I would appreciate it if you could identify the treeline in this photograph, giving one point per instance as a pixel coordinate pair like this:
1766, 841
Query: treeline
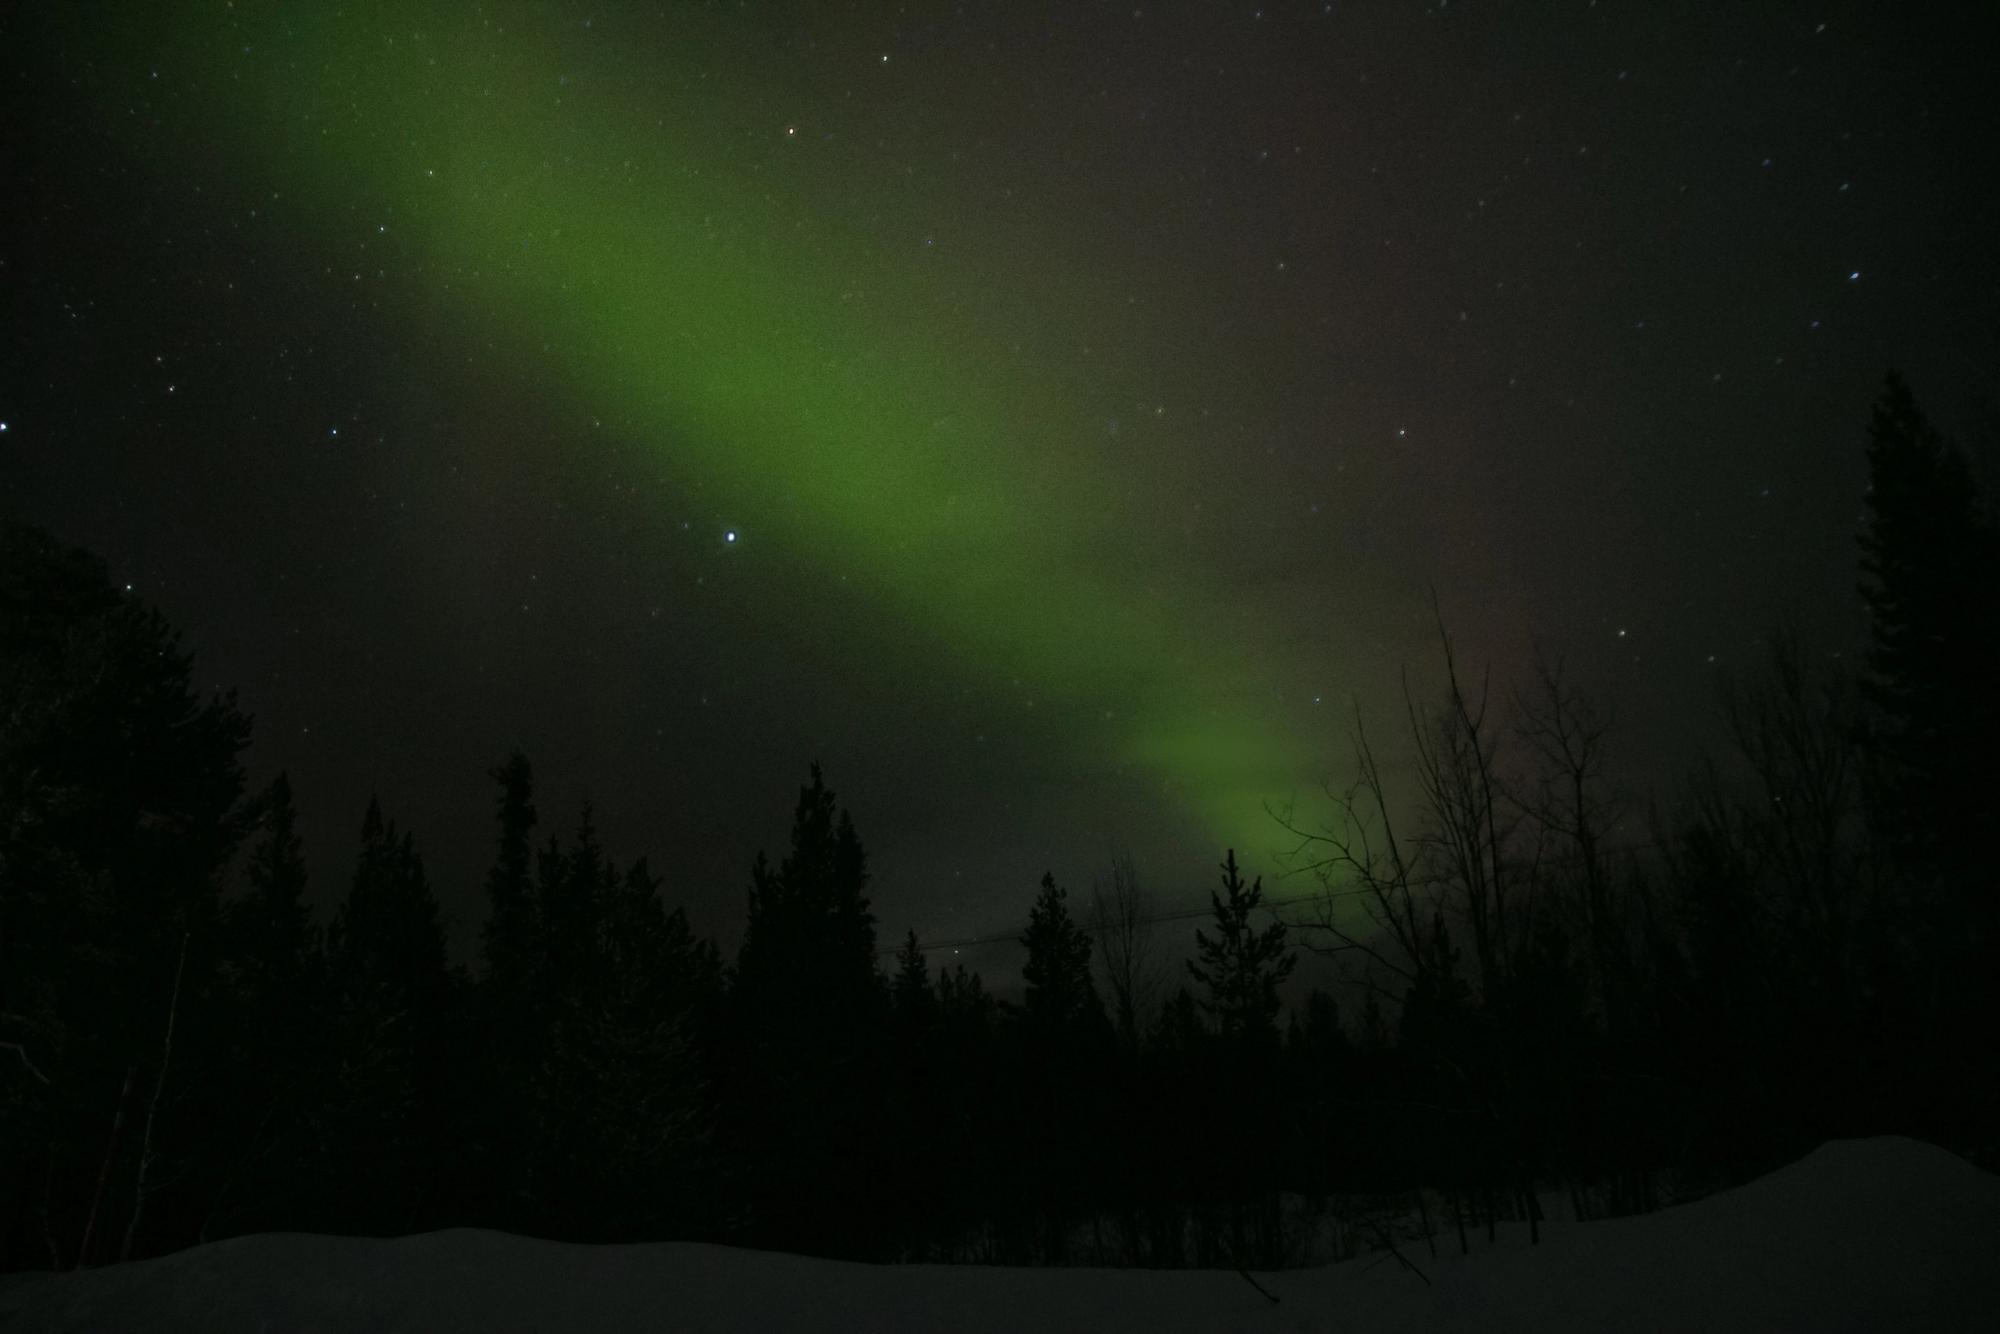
1800, 943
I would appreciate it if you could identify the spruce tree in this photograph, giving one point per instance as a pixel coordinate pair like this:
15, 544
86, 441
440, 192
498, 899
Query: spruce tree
1062, 1086
806, 1020
1931, 581
503, 1107
1930, 572
809, 930
633, 1136
506, 938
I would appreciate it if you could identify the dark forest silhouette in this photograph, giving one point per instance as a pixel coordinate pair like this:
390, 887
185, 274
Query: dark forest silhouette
1807, 946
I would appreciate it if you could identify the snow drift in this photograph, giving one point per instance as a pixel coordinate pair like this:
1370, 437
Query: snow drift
1880, 1234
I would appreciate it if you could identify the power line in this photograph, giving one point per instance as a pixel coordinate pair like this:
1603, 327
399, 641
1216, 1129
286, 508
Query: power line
1180, 915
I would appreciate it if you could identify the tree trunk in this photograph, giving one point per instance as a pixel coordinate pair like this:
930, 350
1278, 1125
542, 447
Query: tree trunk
104, 1169
48, 1224
153, 1108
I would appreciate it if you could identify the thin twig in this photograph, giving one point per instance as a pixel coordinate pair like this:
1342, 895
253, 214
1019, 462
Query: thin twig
1270, 1296
22, 1052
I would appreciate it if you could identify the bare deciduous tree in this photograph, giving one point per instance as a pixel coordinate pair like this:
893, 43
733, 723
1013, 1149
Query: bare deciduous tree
1795, 727
1360, 857
1455, 861
144, 1185
1565, 798
1121, 920
1466, 826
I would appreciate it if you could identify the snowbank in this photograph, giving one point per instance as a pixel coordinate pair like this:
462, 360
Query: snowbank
1881, 1234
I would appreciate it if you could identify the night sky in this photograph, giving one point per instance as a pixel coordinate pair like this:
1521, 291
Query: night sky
1050, 417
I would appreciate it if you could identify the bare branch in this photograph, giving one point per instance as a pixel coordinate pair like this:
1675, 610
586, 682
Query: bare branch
21, 1051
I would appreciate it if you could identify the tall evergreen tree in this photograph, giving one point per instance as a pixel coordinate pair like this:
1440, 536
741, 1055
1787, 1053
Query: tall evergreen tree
910, 994
274, 959
501, 1105
505, 940
1241, 966
634, 1124
810, 931
807, 1026
1064, 1045
1061, 995
274, 952
1930, 578
381, 1100
1930, 573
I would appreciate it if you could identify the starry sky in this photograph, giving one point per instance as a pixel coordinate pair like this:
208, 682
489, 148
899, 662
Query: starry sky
1053, 418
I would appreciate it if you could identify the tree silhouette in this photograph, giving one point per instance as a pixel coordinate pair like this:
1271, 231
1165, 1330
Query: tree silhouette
1061, 996
1062, 1042
505, 941
119, 805
806, 1030
1241, 966
1930, 575
273, 983
1121, 924
381, 1097
1928, 567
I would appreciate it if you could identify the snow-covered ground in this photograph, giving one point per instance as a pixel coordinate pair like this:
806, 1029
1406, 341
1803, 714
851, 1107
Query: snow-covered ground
1880, 1234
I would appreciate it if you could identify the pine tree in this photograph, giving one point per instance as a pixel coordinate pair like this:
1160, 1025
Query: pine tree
390, 989
1241, 966
1930, 578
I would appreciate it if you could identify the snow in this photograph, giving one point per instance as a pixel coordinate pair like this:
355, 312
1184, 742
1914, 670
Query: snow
1875, 1234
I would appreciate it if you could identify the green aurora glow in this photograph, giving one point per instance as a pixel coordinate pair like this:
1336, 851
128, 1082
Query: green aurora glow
638, 215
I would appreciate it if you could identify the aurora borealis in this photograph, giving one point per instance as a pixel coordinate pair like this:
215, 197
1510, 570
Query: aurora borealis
1046, 417
798, 378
